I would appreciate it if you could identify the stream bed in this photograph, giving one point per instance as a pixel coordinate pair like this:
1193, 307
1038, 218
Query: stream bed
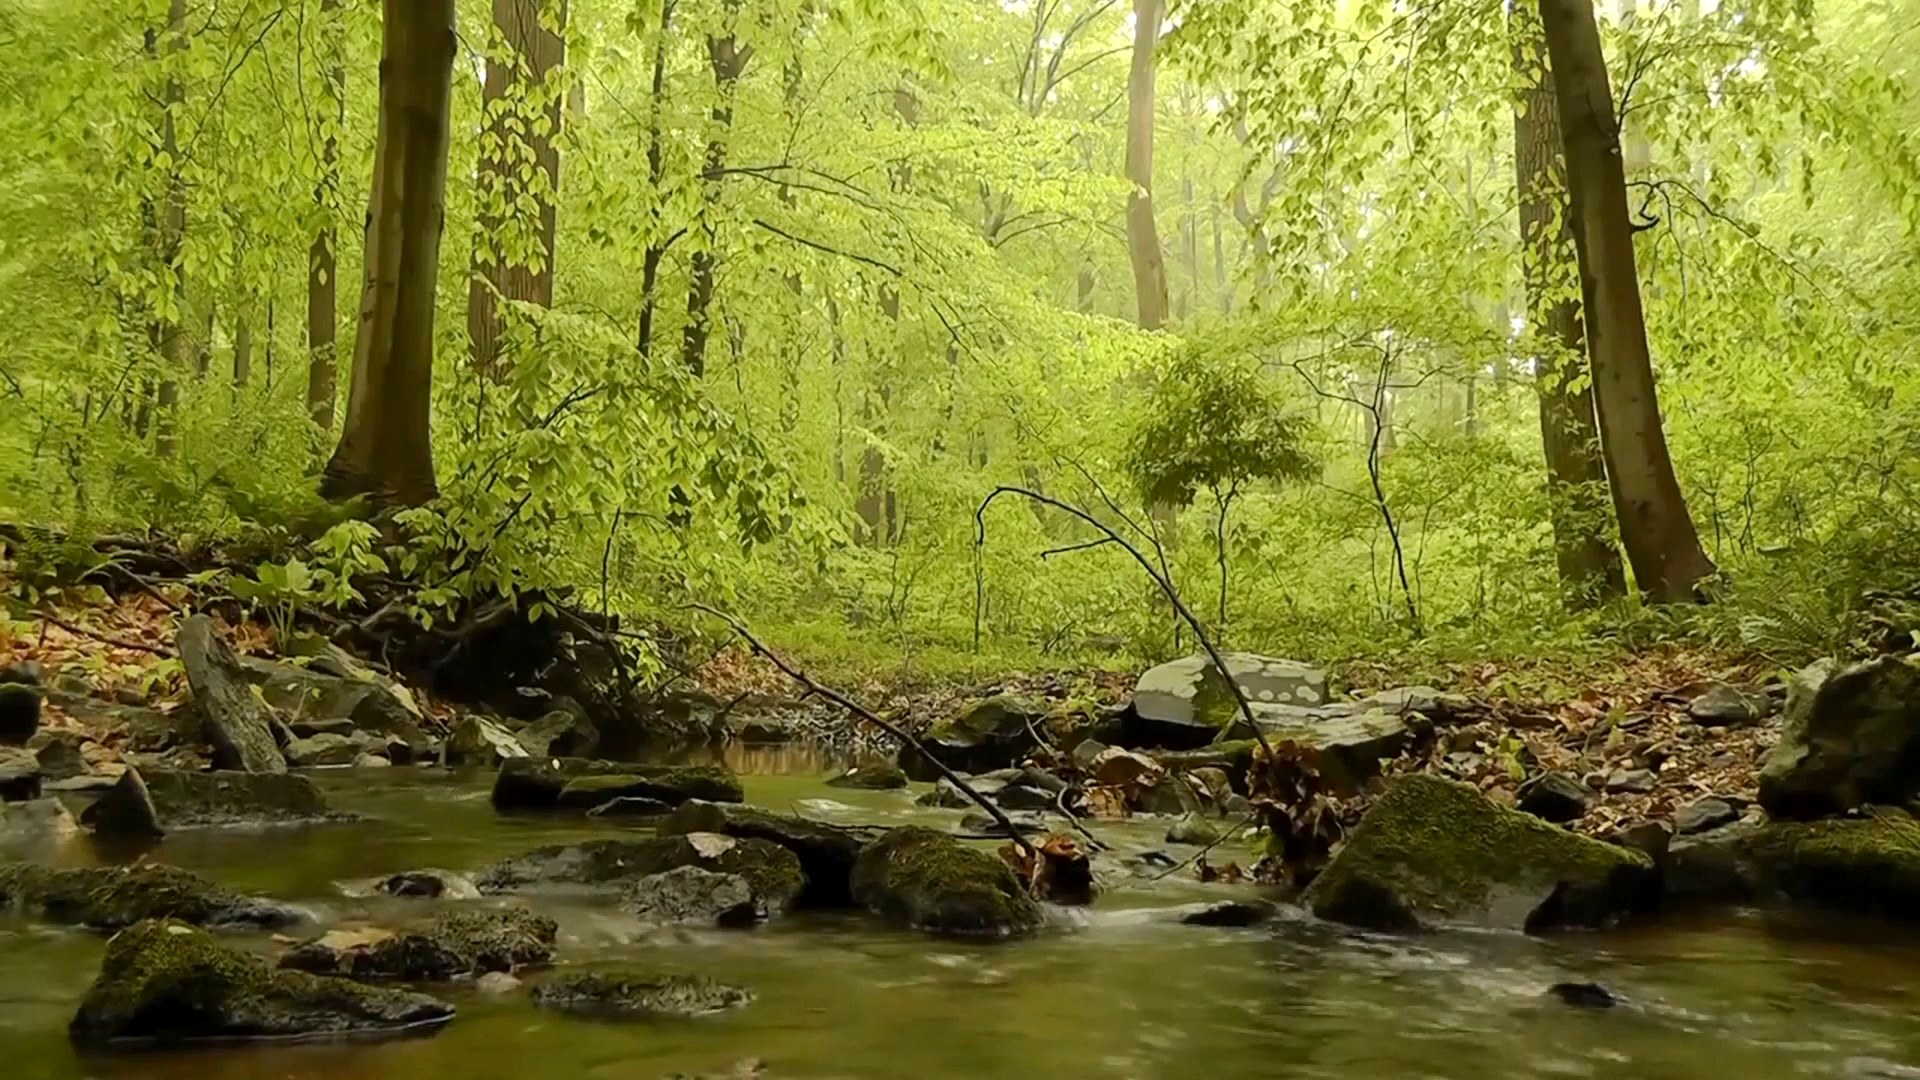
1107, 992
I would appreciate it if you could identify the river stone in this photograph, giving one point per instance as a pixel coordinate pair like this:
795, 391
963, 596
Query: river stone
238, 723
561, 733
1632, 781
164, 982
1555, 797
947, 795
542, 783
59, 755
350, 693
772, 870
1433, 850
1232, 913
1851, 737
872, 777
479, 740
1721, 705
1704, 814
993, 733
165, 799
324, 749
39, 822
1022, 797
932, 882
110, 897
1193, 831
455, 945
1186, 703
826, 852
1864, 865
19, 775
616, 996
19, 713
694, 896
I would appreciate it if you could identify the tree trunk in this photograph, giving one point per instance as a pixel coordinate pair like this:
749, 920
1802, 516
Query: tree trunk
242, 352
323, 286
386, 446
1143, 238
519, 163
656, 168
729, 59
170, 333
1659, 534
1589, 564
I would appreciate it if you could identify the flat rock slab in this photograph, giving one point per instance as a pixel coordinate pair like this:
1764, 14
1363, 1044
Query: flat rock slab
455, 945
364, 700
529, 783
238, 723
620, 996
1865, 865
1181, 698
691, 896
110, 897
772, 870
154, 802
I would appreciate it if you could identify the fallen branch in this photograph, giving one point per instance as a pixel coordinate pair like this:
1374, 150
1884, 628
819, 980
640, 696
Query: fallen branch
1202, 853
999, 816
118, 643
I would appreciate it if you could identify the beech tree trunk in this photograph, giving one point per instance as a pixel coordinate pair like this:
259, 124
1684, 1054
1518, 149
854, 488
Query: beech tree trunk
1143, 238
323, 263
519, 162
1588, 561
729, 59
1661, 542
386, 447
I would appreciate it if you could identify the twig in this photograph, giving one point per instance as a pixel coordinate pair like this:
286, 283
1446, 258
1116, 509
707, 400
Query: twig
999, 816
1069, 549
1202, 853
118, 643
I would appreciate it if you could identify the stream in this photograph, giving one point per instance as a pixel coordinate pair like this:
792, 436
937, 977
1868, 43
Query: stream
1107, 993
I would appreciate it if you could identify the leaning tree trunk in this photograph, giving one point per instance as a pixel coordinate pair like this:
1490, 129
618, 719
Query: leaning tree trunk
1143, 238
323, 263
1658, 532
729, 59
519, 164
386, 448
1589, 564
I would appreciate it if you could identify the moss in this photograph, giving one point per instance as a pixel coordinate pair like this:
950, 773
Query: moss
620, 995
931, 881
1433, 847
772, 871
163, 981
826, 852
1867, 864
457, 944
109, 898
185, 799
544, 783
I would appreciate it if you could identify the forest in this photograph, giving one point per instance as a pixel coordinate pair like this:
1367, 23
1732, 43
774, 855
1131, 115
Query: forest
622, 407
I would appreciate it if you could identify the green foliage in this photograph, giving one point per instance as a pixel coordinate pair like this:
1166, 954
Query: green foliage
1214, 424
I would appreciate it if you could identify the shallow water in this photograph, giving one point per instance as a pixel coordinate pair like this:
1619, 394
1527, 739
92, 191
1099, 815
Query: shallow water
1108, 994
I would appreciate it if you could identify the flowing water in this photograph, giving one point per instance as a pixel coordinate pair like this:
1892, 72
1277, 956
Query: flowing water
1107, 993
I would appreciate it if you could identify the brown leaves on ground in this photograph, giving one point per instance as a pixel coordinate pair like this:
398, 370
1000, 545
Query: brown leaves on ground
1301, 815
1055, 870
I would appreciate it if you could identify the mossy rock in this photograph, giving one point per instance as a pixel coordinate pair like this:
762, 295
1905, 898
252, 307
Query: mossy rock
826, 852
167, 799
111, 897
991, 733
1868, 864
623, 996
773, 872
1433, 850
455, 945
932, 882
878, 776
1850, 737
164, 982
577, 783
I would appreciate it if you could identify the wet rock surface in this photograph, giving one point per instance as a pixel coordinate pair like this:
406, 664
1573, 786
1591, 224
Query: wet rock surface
1868, 864
575, 783
992, 733
145, 803
1850, 736
826, 852
930, 881
238, 723
692, 896
871, 777
773, 872
455, 945
633, 996
110, 897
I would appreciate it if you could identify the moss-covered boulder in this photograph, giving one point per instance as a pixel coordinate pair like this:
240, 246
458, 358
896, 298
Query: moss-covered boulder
147, 803
932, 882
455, 945
1851, 736
874, 776
992, 733
111, 897
773, 872
532, 783
826, 852
693, 897
626, 996
165, 982
1433, 850
1868, 864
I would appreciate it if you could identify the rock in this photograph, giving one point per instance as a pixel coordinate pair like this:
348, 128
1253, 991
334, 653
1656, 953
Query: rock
1703, 814
542, 783
826, 852
24, 673
1721, 705
694, 896
1555, 797
1086, 752
238, 723
1651, 837
455, 945
1633, 781
1435, 850
989, 734
1851, 736
167, 799
1866, 865
1120, 768
19, 775
477, 740
1169, 795
324, 749
338, 689
59, 755
164, 983
932, 882
430, 883
560, 733
1029, 822
371, 761
36, 821
1230, 913
1186, 703
873, 777
638, 997
496, 984
765, 730
1022, 797
947, 795
19, 713
110, 897
1583, 995
1193, 831
630, 806
772, 870
307, 729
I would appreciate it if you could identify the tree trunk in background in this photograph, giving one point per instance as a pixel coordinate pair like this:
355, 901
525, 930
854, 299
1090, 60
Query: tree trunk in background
1658, 532
656, 168
1143, 238
519, 162
729, 59
170, 239
386, 446
242, 352
1589, 564
323, 263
